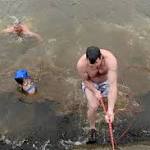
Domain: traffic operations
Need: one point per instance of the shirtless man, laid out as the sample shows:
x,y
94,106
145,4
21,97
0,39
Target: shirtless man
x,y
98,71
21,30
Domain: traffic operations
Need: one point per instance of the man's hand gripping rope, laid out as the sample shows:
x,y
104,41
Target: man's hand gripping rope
x,y
109,117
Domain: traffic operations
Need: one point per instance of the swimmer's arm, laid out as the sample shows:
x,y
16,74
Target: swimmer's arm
x,y
32,34
8,30
27,31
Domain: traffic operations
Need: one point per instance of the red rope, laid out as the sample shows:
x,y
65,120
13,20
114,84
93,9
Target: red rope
x,y
109,125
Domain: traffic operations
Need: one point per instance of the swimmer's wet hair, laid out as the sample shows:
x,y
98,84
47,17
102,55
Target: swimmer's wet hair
x,y
92,53
19,81
17,22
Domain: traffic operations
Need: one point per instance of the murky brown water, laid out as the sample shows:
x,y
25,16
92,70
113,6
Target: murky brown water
x,y
68,27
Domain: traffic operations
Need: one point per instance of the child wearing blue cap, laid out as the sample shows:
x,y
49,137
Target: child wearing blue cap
x,y
25,82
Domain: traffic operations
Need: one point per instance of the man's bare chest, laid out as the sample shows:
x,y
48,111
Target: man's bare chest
x,y
97,72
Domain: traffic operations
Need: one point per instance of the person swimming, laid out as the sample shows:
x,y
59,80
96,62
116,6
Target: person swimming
x,y
21,30
18,29
25,82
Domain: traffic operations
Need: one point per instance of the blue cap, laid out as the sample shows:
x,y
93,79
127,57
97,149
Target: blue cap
x,y
21,73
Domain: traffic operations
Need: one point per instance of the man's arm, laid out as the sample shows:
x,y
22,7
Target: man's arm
x,y
112,95
88,83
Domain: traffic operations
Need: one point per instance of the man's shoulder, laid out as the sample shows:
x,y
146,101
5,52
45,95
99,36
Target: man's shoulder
x,y
106,52
81,62
110,58
82,59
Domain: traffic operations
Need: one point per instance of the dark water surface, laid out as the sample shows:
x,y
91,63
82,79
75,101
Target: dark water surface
x,y
36,125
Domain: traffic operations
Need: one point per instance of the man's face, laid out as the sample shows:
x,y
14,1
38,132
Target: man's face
x,y
96,64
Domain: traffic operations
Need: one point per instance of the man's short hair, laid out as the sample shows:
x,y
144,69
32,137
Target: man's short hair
x,y
92,53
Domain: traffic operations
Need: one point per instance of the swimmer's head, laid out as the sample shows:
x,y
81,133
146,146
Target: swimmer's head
x,y
17,22
21,73
18,27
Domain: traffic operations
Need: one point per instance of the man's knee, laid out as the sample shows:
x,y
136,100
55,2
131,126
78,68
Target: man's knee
x,y
93,108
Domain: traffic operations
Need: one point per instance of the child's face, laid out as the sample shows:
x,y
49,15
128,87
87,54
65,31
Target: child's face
x,y
26,82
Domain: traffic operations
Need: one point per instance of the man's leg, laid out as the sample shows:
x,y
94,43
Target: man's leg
x,y
93,105
92,115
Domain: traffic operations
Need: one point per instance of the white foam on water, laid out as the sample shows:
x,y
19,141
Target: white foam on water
x,y
45,145
68,143
15,19
146,132
14,143
19,40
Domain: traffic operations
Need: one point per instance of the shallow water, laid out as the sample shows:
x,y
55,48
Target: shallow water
x,y
67,28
